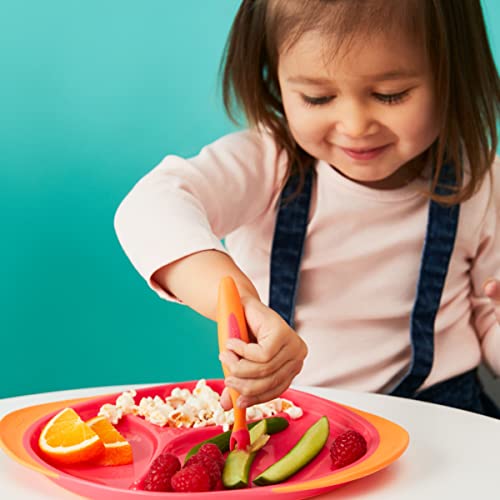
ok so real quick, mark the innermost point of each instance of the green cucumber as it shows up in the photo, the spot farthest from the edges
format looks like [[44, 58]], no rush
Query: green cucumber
[[274, 424], [238, 462], [308, 446]]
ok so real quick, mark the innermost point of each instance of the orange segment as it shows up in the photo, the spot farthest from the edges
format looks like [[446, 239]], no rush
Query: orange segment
[[67, 439], [117, 450]]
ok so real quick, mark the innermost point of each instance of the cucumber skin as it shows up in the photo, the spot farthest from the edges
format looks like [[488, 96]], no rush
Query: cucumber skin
[[261, 480], [236, 473], [238, 456], [274, 425]]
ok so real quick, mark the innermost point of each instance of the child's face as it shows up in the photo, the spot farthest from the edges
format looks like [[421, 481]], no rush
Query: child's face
[[357, 111]]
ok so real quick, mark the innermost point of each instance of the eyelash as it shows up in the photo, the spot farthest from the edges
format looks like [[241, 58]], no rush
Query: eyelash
[[384, 98], [392, 98]]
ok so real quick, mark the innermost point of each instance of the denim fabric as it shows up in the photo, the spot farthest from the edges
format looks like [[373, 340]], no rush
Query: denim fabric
[[438, 246], [288, 245], [463, 391]]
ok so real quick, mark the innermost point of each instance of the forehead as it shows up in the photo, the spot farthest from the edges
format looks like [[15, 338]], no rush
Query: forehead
[[317, 55]]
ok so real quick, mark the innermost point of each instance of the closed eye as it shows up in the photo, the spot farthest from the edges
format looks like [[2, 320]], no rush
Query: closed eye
[[391, 98], [316, 101]]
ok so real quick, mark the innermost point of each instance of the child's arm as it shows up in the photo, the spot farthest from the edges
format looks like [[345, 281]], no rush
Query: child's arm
[[194, 280], [261, 370], [170, 226]]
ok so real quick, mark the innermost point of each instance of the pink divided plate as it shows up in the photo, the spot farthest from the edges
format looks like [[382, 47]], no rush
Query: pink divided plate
[[20, 430]]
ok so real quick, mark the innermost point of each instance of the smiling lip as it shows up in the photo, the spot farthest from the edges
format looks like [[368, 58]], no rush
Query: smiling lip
[[364, 154]]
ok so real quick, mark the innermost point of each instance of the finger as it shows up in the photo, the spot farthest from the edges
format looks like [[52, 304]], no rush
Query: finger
[[243, 368], [261, 352], [229, 359], [491, 289], [225, 399], [257, 387], [274, 392]]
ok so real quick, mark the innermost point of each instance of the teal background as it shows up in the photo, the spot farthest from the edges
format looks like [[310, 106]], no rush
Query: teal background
[[93, 95]]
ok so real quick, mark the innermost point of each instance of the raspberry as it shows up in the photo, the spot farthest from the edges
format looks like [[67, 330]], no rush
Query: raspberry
[[210, 464], [160, 473], [191, 479], [213, 451], [219, 486], [347, 448]]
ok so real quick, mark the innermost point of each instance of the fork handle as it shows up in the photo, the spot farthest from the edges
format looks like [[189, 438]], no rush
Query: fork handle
[[231, 323]]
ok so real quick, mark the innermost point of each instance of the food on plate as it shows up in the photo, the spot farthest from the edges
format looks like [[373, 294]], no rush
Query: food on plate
[[213, 451], [347, 448], [307, 448], [117, 450], [194, 478], [238, 462], [159, 475], [202, 472], [210, 464], [274, 424], [184, 408], [210, 457], [67, 439]]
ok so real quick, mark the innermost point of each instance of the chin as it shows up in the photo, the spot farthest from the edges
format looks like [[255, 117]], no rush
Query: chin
[[365, 176]]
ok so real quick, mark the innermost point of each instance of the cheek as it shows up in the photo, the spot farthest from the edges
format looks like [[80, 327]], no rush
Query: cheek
[[305, 124], [419, 125]]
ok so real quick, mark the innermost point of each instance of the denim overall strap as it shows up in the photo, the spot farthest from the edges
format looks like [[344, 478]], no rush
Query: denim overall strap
[[288, 245], [438, 246]]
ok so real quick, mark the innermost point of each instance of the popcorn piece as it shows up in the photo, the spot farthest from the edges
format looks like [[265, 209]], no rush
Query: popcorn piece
[[294, 412], [158, 418], [126, 401], [111, 412]]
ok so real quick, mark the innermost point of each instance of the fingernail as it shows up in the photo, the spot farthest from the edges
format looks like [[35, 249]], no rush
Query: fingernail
[[229, 382], [242, 403]]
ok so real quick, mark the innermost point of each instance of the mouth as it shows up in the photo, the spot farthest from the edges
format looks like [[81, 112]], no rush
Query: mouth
[[365, 153]]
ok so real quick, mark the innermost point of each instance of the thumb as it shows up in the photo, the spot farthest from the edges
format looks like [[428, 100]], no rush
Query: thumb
[[264, 331], [261, 320], [491, 289]]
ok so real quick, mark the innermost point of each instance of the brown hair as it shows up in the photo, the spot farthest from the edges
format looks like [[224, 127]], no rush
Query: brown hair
[[452, 32]]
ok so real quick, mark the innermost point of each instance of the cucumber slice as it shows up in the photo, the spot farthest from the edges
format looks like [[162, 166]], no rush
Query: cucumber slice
[[308, 446], [274, 424], [237, 466]]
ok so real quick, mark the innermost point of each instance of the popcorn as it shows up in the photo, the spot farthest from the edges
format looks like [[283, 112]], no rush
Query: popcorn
[[184, 408], [125, 404]]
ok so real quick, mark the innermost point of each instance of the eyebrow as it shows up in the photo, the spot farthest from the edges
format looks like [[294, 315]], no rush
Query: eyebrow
[[389, 75]]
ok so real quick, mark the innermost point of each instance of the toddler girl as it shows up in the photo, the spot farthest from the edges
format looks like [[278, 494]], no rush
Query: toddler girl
[[360, 208]]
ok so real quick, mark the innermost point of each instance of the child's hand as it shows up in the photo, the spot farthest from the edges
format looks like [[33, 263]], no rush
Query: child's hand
[[264, 369]]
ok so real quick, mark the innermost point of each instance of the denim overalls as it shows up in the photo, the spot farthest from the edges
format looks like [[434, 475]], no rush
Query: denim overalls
[[463, 391]]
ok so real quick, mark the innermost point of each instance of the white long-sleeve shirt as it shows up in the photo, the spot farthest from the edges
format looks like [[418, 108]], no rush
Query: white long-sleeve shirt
[[360, 264]]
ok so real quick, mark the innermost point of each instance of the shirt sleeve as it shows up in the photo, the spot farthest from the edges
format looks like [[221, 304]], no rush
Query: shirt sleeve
[[487, 265], [184, 206]]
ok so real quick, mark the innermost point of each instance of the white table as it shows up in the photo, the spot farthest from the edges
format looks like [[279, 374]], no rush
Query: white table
[[452, 453]]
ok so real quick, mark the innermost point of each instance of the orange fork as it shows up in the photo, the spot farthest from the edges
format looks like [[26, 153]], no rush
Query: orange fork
[[231, 323]]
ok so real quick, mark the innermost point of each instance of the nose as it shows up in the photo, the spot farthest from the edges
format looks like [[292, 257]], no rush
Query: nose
[[354, 119]]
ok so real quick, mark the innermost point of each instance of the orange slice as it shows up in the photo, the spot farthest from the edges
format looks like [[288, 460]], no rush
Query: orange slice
[[67, 439], [117, 450]]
